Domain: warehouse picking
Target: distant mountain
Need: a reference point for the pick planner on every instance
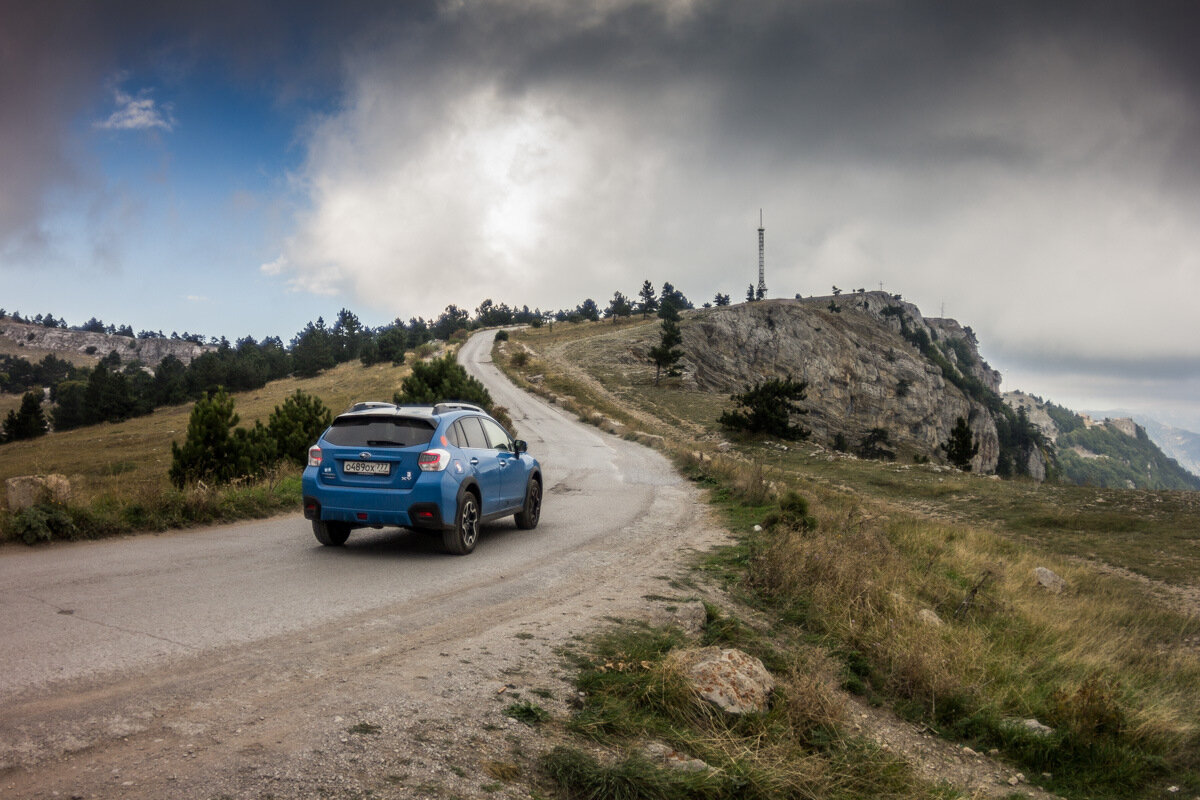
(1178, 443)
(1115, 452)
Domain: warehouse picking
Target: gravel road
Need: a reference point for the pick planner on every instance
(248, 661)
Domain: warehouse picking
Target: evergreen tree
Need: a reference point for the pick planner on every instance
(438, 380)
(443, 379)
(588, 310)
(213, 451)
(721, 300)
(452, 319)
(27, 423)
(70, 406)
(347, 336)
(296, 425)
(961, 447)
(312, 350)
(666, 354)
(874, 445)
(649, 301)
(619, 306)
(750, 293)
(768, 407)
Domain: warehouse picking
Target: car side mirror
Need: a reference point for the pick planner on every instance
(520, 446)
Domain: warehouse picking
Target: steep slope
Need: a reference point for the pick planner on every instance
(871, 361)
(1114, 453)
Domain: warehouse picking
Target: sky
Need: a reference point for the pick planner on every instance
(1030, 169)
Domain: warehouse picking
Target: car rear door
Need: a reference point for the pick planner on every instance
(512, 468)
(484, 463)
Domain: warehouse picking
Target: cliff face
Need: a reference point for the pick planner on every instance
(863, 363)
(64, 340)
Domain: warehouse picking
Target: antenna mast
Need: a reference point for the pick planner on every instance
(762, 279)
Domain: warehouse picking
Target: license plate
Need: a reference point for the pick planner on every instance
(367, 468)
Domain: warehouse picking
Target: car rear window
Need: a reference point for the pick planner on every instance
(380, 432)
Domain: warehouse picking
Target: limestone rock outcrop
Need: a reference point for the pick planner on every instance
(861, 364)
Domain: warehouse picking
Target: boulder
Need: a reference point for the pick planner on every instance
(1048, 580)
(930, 617)
(669, 757)
(25, 491)
(729, 679)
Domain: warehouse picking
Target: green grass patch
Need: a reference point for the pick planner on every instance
(527, 712)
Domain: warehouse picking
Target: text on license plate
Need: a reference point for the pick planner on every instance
(367, 467)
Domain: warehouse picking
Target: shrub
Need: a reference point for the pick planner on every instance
(443, 379)
(42, 523)
(767, 407)
(501, 336)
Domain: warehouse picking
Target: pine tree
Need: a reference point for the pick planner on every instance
(296, 425)
(666, 355)
(214, 450)
(961, 447)
(768, 407)
(649, 302)
(27, 423)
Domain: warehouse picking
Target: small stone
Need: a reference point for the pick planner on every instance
(758, 528)
(1048, 580)
(929, 617)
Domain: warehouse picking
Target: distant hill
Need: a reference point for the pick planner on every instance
(33, 342)
(1178, 443)
(1114, 452)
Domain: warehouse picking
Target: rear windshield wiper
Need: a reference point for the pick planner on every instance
(384, 443)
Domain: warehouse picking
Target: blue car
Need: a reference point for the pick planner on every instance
(444, 468)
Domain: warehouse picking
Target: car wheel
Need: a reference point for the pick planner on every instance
(331, 534)
(527, 518)
(461, 539)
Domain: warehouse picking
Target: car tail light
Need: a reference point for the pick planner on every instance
(433, 460)
(314, 456)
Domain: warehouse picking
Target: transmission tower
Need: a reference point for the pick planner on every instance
(762, 276)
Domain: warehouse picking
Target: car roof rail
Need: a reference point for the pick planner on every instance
(369, 404)
(454, 405)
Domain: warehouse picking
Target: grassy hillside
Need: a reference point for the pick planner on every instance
(1110, 663)
(125, 464)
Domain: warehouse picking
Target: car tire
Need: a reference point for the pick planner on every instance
(330, 534)
(461, 539)
(527, 518)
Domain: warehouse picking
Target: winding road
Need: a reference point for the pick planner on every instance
(137, 667)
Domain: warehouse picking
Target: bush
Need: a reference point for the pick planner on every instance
(501, 336)
(767, 407)
(42, 523)
(444, 379)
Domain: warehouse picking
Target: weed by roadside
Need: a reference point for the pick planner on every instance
(113, 515)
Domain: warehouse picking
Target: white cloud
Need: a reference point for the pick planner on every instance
(138, 112)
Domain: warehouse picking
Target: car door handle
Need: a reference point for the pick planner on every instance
(474, 462)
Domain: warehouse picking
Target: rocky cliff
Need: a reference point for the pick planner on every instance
(868, 365)
(64, 340)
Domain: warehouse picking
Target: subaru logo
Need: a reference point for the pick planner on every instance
(365, 456)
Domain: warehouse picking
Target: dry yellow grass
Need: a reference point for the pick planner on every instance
(132, 457)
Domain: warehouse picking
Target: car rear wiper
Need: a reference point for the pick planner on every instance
(384, 443)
